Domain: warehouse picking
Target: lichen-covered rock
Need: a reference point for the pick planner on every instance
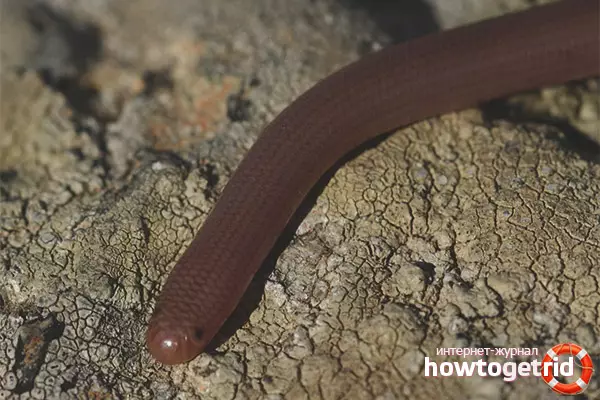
(458, 231)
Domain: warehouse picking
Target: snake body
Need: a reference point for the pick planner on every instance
(394, 87)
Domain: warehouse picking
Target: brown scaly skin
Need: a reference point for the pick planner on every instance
(397, 86)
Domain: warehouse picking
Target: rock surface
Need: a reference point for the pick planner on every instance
(120, 122)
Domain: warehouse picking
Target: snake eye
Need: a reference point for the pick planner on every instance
(198, 333)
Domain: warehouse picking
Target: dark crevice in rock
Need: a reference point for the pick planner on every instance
(66, 52)
(239, 107)
(400, 20)
(8, 175)
(208, 171)
(573, 140)
(155, 81)
(428, 270)
(34, 337)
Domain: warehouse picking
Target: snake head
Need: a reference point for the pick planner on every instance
(174, 344)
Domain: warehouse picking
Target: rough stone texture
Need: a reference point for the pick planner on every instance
(459, 231)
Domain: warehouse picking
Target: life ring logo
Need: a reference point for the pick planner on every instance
(549, 367)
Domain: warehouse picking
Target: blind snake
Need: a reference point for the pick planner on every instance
(394, 87)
